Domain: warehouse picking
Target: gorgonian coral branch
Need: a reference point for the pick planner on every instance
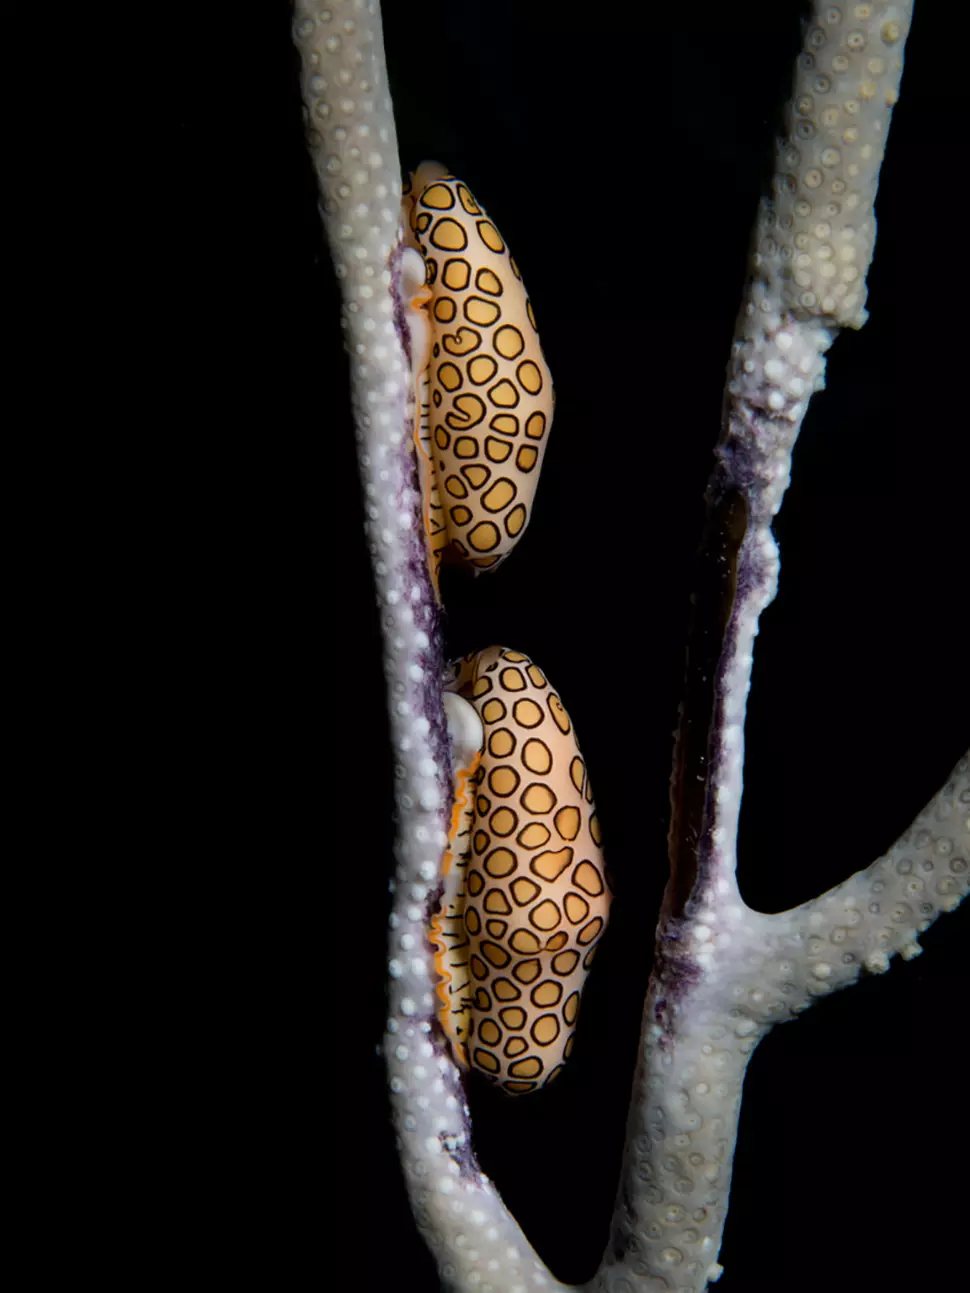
(723, 974)
(354, 148)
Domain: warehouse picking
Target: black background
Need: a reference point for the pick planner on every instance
(621, 151)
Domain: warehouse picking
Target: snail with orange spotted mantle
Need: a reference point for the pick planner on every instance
(484, 391)
(525, 897)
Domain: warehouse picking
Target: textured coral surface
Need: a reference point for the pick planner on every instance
(812, 786)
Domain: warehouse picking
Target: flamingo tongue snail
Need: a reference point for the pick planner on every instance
(525, 898)
(483, 390)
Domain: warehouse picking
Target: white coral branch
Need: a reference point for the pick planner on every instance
(723, 974)
(353, 144)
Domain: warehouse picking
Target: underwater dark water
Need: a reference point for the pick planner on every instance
(622, 155)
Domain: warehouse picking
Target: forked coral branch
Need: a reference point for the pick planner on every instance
(723, 974)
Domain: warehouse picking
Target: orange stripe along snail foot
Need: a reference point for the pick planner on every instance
(483, 392)
(525, 898)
